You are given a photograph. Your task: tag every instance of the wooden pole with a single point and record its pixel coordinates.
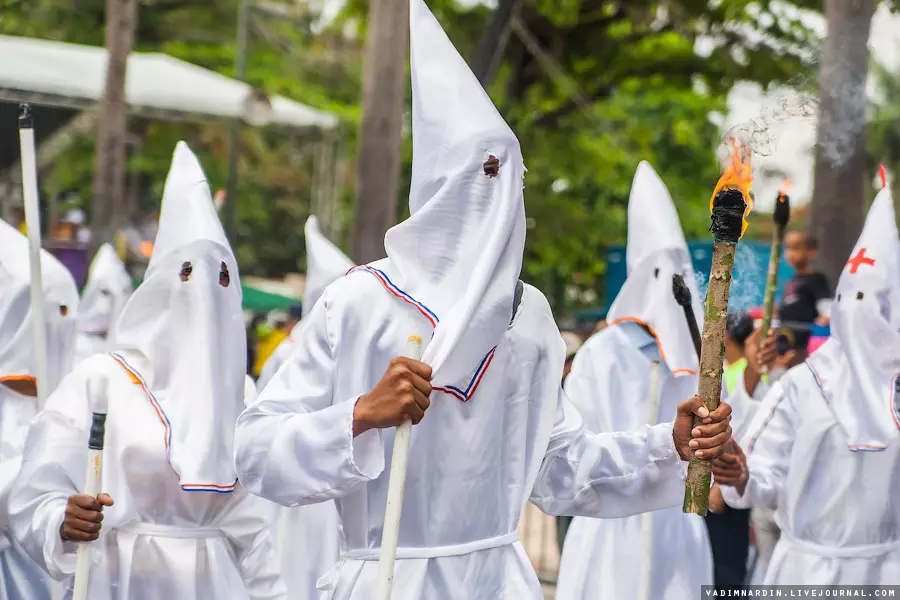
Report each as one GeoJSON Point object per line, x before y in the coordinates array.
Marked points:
{"type": "Point", "coordinates": [781, 216]}
{"type": "Point", "coordinates": [727, 226]}
{"type": "Point", "coordinates": [109, 164]}
{"type": "Point", "coordinates": [381, 130]}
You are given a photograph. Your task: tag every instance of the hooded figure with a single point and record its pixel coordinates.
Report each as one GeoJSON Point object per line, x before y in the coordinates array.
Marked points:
{"type": "Point", "coordinates": [105, 294]}
{"type": "Point", "coordinates": [181, 526]}
{"type": "Point", "coordinates": [307, 538]}
{"type": "Point", "coordinates": [823, 449]}
{"type": "Point", "coordinates": [646, 356]}
{"type": "Point", "coordinates": [498, 431]}
{"type": "Point", "coordinates": [19, 576]}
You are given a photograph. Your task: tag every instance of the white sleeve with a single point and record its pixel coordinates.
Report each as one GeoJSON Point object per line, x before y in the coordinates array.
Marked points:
{"type": "Point", "coordinates": [9, 470]}
{"type": "Point", "coordinates": [271, 366]}
{"type": "Point", "coordinates": [767, 444]}
{"type": "Point", "coordinates": [295, 444]}
{"type": "Point", "coordinates": [247, 530]}
{"type": "Point", "coordinates": [590, 373]}
{"type": "Point", "coordinates": [53, 466]}
{"type": "Point", "coordinates": [607, 475]}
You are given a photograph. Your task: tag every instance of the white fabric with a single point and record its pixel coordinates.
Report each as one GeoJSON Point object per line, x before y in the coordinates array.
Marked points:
{"type": "Point", "coordinates": [191, 332]}
{"type": "Point", "coordinates": [156, 82]}
{"type": "Point", "coordinates": [859, 365]}
{"type": "Point", "coordinates": [837, 509]}
{"type": "Point", "coordinates": [158, 541]}
{"type": "Point", "coordinates": [324, 263]}
{"type": "Point", "coordinates": [20, 577]}
{"type": "Point", "coordinates": [60, 310]}
{"type": "Point", "coordinates": [107, 290]}
{"type": "Point", "coordinates": [610, 386]}
{"type": "Point", "coordinates": [460, 252]}
{"type": "Point", "coordinates": [656, 251]}
{"type": "Point", "coordinates": [473, 465]}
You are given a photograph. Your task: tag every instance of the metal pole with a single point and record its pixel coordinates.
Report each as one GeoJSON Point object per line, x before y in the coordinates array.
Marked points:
{"type": "Point", "coordinates": [234, 145]}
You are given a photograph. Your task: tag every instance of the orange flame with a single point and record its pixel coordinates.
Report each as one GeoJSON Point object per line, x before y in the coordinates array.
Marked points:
{"type": "Point", "coordinates": [737, 176]}
{"type": "Point", "coordinates": [146, 248]}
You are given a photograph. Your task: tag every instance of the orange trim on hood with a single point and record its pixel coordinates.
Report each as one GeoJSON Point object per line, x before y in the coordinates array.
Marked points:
{"type": "Point", "coordinates": [5, 378]}
{"type": "Point", "coordinates": [655, 339]}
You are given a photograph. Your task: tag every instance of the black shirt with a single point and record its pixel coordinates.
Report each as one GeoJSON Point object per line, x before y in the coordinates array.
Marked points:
{"type": "Point", "coordinates": [800, 296]}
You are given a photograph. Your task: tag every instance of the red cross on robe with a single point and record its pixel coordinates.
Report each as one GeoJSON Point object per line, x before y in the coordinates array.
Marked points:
{"type": "Point", "coordinates": [859, 260]}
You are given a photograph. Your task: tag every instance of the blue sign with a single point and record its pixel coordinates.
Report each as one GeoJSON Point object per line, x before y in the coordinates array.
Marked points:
{"type": "Point", "coordinates": [748, 284]}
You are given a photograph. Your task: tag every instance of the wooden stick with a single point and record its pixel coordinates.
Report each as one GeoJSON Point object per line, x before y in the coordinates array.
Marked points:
{"type": "Point", "coordinates": [780, 216]}
{"type": "Point", "coordinates": [727, 226]}
{"type": "Point", "coordinates": [92, 481]}
{"type": "Point", "coordinates": [390, 533]}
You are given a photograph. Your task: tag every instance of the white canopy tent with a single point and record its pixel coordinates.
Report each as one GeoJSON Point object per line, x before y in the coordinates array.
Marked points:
{"type": "Point", "coordinates": [67, 75]}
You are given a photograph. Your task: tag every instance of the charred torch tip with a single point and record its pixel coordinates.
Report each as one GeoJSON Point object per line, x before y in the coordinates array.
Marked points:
{"type": "Point", "coordinates": [782, 213]}
{"type": "Point", "coordinates": [729, 207]}
{"type": "Point", "coordinates": [25, 120]}
{"type": "Point", "coordinates": [681, 291]}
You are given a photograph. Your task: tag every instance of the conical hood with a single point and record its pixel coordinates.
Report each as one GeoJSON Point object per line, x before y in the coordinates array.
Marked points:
{"type": "Point", "coordinates": [107, 290]}
{"type": "Point", "coordinates": [457, 258]}
{"type": "Point", "coordinates": [188, 213]}
{"type": "Point", "coordinates": [858, 367]}
{"type": "Point", "coordinates": [181, 334]}
{"type": "Point", "coordinates": [656, 251]}
{"type": "Point", "coordinates": [17, 360]}
{"type": "Point", "coordinates": [324, 263]}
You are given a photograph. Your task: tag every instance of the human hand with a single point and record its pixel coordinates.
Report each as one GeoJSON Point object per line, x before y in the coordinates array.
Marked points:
{"type": "Point", "coordinates": [731, 468]}
{"type": "Point", "coordinates": [84, 516]}
{"type": "Point", "coordinates": [401, 394]}
{"type": "Point", "coordinates": [708, 439]}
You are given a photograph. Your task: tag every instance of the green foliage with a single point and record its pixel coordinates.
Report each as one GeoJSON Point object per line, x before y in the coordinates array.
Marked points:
{"type": "Point", "coordinates": [619, 82]}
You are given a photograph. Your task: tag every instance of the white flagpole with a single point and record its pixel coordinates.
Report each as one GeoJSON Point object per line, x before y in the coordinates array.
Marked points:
{"type": "Point", "coordinates": [390, 533]}
{"type": "Point", "coordinates": [92, 481]}
{"type": "Point", "coordinates": [33, 224]}
{"type": "Point", "coordinates": [647, 518]}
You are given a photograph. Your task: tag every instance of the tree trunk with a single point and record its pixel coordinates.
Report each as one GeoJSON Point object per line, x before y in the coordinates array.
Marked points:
{"type": "Point", "coordinates": [384, 90]}
{"type": "Point", "coordinates": [492, 43]}
{"type": "Point", "coordinates": [838, 206]}
{"type": "Point", "coordinates": [109, 168]}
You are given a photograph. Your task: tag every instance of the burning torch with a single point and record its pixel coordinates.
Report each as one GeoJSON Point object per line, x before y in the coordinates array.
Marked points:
{"type": "Point", "coordinates": [730, 204]}
{"type": "Point", "coordinates": [781, 216]}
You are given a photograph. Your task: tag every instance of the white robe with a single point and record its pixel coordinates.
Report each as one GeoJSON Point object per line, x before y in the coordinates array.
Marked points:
{"type": "Point", "coordinates": [837, 509]}
{"type": "Point", "coordinates": [608, 558]}
{"type": "Point", "coordinates": [473, 465]}
{"type": "Point", "coordinates": [158, 542]}
{"type": "Point", "coordinates": [20, 577]}
{"type": "Point", "coordinates": [307, 538]}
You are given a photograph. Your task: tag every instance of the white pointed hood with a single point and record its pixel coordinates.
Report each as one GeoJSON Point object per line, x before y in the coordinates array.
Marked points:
{"type": "Point", "coordinates": [105, 294]}
{"type": "Point", "coordinates": [858, 367]}
{"type": "Point", "coordinates": [656, 251]}
{"type": "Point", "coordinates": [16, 320]}
{"type": "Point", "coordinates": [324, 263]}
{"type": "Point", "coordinates": [457, 258]}
{"type": "Point", "coordinates": [181, 334]}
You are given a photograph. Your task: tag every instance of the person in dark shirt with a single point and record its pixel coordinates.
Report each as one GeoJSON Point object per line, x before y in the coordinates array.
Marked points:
{"type": "Point", "coordinates": [807, 295]}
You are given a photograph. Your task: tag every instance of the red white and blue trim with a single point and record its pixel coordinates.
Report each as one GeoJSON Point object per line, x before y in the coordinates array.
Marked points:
{"type": "Point", "coordinates": [167, 426]}
{"type": "Point", "coordinates": [396, 291]}
{"type": "Point", "coordinates": [390, 286]}
{"type": "Point", "coordinates": [858, 447]}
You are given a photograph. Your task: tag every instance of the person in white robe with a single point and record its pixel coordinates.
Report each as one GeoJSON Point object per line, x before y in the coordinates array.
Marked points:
{"type": "Point", "coordinates": [307, 538]}
{"type": "Point", "coordinates": [324, 263]}
{"type": "Point", "coordinates": [498, 430]}
{"type": "Point", "coordinates": [634, 373]}
{"type": "Point", "coordinates": [107, 290]}
{"type": "Point", "coordinates": [177, 522]}
{"type": "Point", "coordinates": [20, 577]}
{"type": "Point", "coordinates": [824, 447]}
